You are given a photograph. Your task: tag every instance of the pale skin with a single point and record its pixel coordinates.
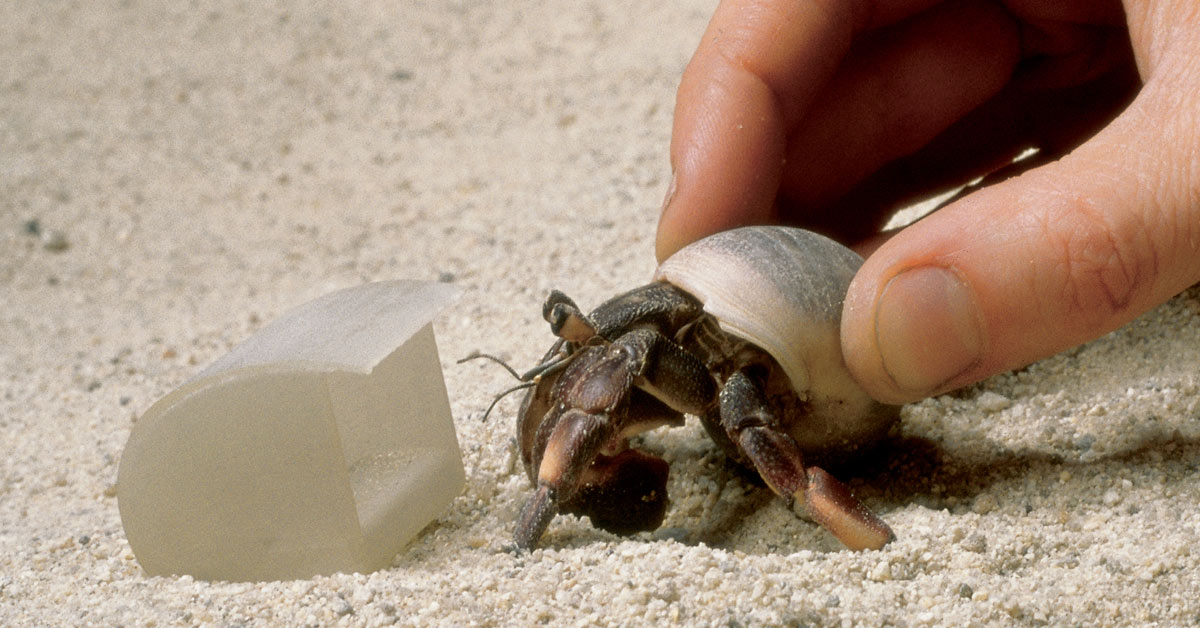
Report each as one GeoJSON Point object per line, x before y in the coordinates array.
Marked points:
{"type": "Point", "coordinates": [830, 114]}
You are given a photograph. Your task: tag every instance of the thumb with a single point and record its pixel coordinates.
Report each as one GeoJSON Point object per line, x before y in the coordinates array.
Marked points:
{"type": "Point", "coordinates": [1037, 264]}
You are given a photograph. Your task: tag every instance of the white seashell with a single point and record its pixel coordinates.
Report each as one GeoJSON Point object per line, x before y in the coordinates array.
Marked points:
{"type": "Point", "coordinates": [782, 288]}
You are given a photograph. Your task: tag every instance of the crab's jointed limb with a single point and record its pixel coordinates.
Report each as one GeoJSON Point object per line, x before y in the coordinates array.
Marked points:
{"type": "Point", "coordinates": [747, 420]}
{"type": "Point", "coordinates": [754, 313]}
{"type": "Point", "coordinates": [609, 392]}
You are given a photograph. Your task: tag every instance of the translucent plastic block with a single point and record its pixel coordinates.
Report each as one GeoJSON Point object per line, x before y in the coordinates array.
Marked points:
{"type": "Point", "coordinates": [322, 443]}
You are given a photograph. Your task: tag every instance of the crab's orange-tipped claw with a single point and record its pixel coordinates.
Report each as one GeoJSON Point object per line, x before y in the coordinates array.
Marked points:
{"type": "Point", "coordinates": [746, 417]}
{"type": "Point", "coordinates": [828, 501]}
{"type": "Point", "coordinates": [831, 504]}
{"type": "Point", "coordinates": [570, 450]}
{"type": "Point", "coordinates": [623, 494]}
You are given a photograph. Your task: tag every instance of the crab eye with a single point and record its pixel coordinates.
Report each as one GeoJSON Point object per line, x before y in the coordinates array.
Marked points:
{"type": "Point", "coordinates": [567, 323]}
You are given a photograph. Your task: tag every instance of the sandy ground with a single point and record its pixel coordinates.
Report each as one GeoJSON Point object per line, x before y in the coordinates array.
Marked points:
{"type": "Point", "coordinates": [173, 176]}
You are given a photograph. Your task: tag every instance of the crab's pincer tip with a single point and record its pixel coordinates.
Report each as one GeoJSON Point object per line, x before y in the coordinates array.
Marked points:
{"type": "Point", "coordinates": [833, 506]}
{"type": "Point", "coordinates": [535, 517]}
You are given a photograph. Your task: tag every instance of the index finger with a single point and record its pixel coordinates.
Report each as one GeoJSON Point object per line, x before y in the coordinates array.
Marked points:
{"type": "Point", "coordinates": [759, 65]}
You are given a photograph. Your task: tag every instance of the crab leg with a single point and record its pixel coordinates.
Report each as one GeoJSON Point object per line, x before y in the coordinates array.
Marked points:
{"type": "Point", "coordinates": [570, 450]}
{"type": "Point", "coordinates": [668, 372]}
{"type": "Point", "coordinates": [593, 387]}
{"type": "Point", "coordinates": [580, 442]}
{"type": "Point", "coordinates": [778, 459]}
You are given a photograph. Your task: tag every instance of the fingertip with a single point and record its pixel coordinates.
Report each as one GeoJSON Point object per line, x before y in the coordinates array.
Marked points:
{"type": "Point", "coordinates": [690, 214]}
{"type": "Point", "coordinates": [1013, 274]}
{"type": "Point", "coordinates": [928, 327]}
{"type": "Point", "coordinates": [859, 348]}
{"type": "Point", "coordinates": [727, 151]}
{"type": "Point", "coordinates": [914, 323]}
{"type": "Point", "coordinates": [758, 66]}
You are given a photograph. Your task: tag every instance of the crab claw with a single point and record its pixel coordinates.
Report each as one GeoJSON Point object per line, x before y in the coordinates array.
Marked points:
{"type": "Point", "coordinates": [535, 516]}
{"type": "Point", "coordinates": [574, 443]}
{"type": "Point", "coordinates": [623, 494]}
{"type": "Point", "coordinates": [827, 500]}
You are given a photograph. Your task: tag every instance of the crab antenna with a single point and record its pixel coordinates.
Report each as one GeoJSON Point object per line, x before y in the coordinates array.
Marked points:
{"type": "Point", "coordinates": [476, 354]}
{"type": "Point", "coordinates": [548, 366]}
{"type": "Point", "coordinates": [496, 400]}
{"type": "Point", "coordinates": [524, 383]}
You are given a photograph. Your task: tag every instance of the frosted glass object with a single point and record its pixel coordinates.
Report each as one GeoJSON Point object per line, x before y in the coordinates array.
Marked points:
{"type": "Point", "coordinates": [322, 443]}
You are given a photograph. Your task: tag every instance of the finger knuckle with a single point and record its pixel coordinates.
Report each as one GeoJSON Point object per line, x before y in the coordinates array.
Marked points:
{"type": "Point", "coordinates": [1104, 260]}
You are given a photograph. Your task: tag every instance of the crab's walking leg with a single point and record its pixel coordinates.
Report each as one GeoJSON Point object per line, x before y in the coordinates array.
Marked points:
{"type": "Point", "coordinates": [749, 423]}
{"type": "Point", "coordinates": [668, 372]}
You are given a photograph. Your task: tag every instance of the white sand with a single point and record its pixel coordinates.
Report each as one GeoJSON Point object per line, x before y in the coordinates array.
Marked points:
{"type": "Point", "coordinates": [195, 171]}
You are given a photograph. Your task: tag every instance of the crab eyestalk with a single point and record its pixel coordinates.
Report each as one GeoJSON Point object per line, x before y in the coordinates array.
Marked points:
{"type": "Point", "coordinates": [566, 321]}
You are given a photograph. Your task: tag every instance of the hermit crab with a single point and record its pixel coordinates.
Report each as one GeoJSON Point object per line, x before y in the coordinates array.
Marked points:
{"type": "Point", "coordinates": [740, 329]}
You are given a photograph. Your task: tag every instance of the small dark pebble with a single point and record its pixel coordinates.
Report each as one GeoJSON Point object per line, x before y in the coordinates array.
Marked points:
{"type": "Point", "coordinates": [125, 400]}
{"type": "Point", "coordinates": [93, 386]}
{"type": "Point", "coordinates": [32, 227]}
{"type": "Point", "coordinates": [401, 75]}
{"type": "Point", "coordinates": [84, 539]}
{"type": "Point", "coordinates": [965, 590]}
{"type": "Point", "coordinates": [446, 277]}
{"type": "Point", "coordinates": [1085, 442]}
{"type": "Point", "coordinates": [55, 241]}
{"type": "Point", "coordinates": [806, 620]}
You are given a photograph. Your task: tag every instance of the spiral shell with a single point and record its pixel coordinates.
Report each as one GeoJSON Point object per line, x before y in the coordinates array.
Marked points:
{"type": "Point", "coordinates": [782, 288]}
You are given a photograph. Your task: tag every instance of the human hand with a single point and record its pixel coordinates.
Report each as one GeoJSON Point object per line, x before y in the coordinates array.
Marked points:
{"type": "Point", "coordinates": [830, 114]}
